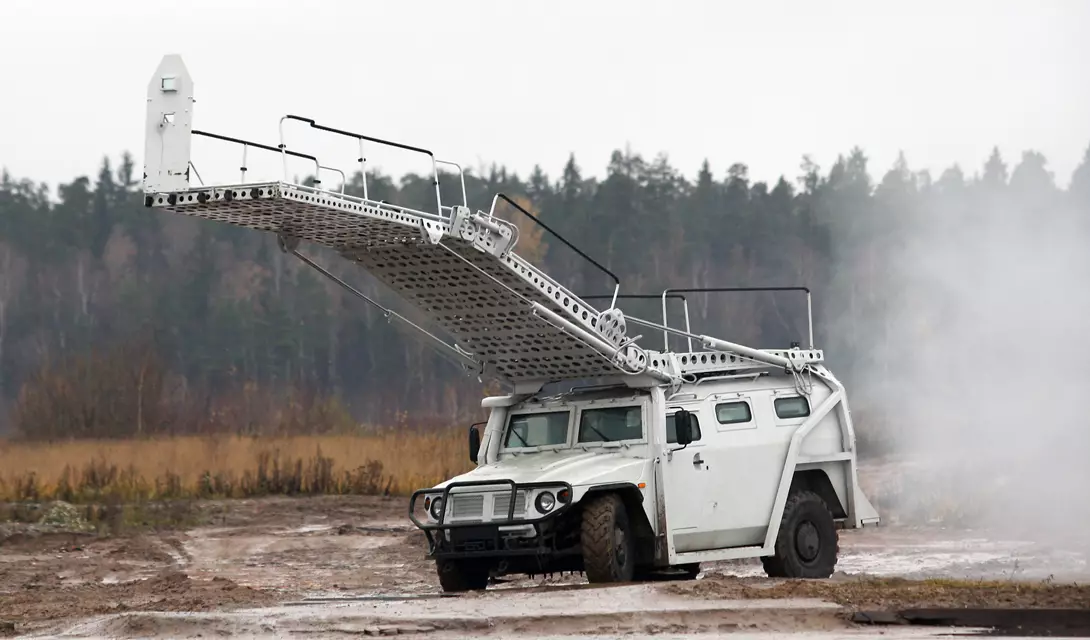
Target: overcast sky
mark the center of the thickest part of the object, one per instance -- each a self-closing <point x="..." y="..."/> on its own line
<point x="529" y="82"/>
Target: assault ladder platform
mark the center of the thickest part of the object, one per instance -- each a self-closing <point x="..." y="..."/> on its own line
<point x="508" y="319"/>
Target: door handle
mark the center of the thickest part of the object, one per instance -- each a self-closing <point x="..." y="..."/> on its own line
<point x="697" y="459"/>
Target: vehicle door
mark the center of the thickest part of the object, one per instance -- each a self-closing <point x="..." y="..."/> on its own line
<point x="684" y="479"/>
<point x="726" y="486"/>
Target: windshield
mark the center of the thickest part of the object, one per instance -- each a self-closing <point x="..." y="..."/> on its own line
<point x="537" y="430"/>
<point x="611" y="424"/>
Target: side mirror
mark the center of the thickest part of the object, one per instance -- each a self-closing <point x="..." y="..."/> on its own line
<point x="683" y="421"/>
<point x="474" y="443"/>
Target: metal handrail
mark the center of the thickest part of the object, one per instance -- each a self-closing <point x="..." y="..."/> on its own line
<point x="361" y="137"/>
<point x="616" y="280"/>
<point x="363" y="169"/>
<point x="809" y="305"/>
<point x="461" y="176"/>
<point x="257" y="145"/>
<point x="715" y="344"/>
<point x="344" y="178"/>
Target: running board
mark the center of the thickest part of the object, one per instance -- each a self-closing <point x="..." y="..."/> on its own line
<point x="716" y="555"/>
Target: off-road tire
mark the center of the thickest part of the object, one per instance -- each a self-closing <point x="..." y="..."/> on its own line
<point x="460" y="575"/>
<point x="807" y="543"/>
<point x="609" y="550"/>
<point x="772" y="567"/>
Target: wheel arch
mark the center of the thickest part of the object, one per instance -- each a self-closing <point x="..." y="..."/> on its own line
<point x="817" y="481"/>
<point x="633" y="500"/>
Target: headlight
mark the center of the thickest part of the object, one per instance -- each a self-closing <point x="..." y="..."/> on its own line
<point x="436" y="509"/>
<point x="545" y="502"/>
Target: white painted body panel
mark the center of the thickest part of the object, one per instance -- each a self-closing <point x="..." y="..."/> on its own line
<point x="583" y="467"/>
<point x="727" y="500"/>
<point x="580" y="469"/>
<point x="726" y="505"/>
<point x="168" y="125"/>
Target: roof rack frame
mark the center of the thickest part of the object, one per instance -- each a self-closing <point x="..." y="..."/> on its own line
<point x="667" y="292"/>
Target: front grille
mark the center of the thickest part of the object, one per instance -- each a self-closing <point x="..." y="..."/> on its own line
<point x="467" y="506"/>
<point x="501" y="502"/>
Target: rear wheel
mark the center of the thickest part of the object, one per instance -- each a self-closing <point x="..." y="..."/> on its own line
<point x="772" y="567"/>
<point x="807" y="543"/>
<point x="609" y="550"/>
<point x="460" y="575"/>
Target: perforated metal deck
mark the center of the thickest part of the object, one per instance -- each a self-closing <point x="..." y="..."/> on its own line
<point x="455" y="269"/>
<point x="507" y="319"/>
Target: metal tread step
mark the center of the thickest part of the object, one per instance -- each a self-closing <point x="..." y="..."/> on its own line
<point x="458" y="271"/>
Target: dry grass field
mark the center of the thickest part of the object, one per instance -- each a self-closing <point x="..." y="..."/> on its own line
<point x="391" y="462"/>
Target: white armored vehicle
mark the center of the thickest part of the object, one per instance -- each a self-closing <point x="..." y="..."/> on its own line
<point x="670" y="459"/>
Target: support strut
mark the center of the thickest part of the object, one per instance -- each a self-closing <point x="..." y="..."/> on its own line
<point x="451" y="352"/>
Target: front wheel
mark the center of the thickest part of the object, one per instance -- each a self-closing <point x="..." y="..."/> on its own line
<point x="807" y="542"/>
<point x="461" y="575"/>
<point x="609" y="551"/>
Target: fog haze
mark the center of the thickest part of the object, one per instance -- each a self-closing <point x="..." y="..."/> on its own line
<point x="529" y="83"/>
<point x="972" y="342"/>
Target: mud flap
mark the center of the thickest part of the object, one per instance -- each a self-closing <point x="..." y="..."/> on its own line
<point x="865" y="510"/>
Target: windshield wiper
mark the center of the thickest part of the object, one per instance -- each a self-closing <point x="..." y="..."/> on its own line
<point x="519" y="435"/>
<point x="600" y="434"/>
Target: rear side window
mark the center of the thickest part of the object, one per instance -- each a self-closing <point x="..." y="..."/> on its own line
<point x="788" y="408"/>
<point x="733" y="412"/>
<point x="671" y="429"/>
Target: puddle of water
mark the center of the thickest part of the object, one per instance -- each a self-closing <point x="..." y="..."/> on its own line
<point x="620" y="599"/>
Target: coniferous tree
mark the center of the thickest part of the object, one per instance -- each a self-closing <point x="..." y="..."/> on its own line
<point x="224" y="311"/>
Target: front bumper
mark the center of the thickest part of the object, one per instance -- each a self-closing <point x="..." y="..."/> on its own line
<point x="508" y="536"/>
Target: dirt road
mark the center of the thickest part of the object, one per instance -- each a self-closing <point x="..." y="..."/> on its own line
<point x="356" y="565"/>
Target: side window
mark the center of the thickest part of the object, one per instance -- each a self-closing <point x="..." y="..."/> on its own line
<point x="671" y="429"/>
<point x="733" y="412"/>
<point x="794" y="407"/>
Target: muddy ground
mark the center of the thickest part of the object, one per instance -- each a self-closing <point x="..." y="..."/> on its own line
<point x="323" y="564"/>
